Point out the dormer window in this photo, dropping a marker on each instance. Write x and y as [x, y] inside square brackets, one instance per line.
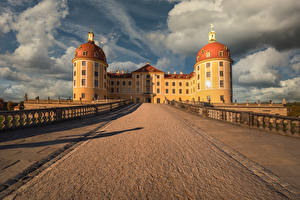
[221, 53]
[207, 54]
[84, 53]
[202, 51]
[198, 58]
[96, 54]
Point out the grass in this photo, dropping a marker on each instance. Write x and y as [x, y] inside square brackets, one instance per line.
[293, 109]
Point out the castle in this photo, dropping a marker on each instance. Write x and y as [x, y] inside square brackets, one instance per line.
[211, 80]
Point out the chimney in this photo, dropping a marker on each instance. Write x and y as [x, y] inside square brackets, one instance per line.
[181, 72]
[168, 72]
[122, 72]
[147, 63]
[174, 72]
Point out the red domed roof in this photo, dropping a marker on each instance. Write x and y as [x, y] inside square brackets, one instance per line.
[213, 50]
[90, 50]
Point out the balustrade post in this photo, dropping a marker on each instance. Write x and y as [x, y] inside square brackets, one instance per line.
[58, 114]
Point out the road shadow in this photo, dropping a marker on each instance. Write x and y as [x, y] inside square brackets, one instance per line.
[100, 134]
[67, 124]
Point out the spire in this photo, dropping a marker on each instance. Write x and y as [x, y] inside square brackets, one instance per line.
[211, 34]
[91, 36]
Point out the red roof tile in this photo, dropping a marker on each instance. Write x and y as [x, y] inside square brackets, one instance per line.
[92, 51]
[148, 68]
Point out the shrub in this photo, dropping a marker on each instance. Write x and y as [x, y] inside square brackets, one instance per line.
[21, 105]
[9, 106]
[1, 104]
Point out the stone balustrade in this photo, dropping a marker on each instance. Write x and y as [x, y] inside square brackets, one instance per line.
[37, 117]
[277, 123]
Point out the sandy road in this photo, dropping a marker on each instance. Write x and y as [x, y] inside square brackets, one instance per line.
[148, 154]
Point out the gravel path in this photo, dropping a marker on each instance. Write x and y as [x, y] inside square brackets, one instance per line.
[148, 154]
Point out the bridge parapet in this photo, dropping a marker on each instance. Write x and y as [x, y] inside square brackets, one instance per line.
[38, 117]
[275, 123]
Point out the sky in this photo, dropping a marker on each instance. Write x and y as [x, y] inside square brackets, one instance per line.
[38, 39]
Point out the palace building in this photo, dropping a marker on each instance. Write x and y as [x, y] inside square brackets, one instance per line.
[210, 81]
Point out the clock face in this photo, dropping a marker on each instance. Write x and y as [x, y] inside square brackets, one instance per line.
[208, 84]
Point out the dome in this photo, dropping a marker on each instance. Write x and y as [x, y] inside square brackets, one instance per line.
[213, 50]
[90, 50]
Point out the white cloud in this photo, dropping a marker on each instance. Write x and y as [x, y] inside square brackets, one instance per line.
[6, 19]
[254, 23]
[261, 69]
[288, 89]
[130, 66]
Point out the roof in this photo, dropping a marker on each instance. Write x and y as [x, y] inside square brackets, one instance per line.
[119, 75]
[179, 76]
[214, 50]
[91, 51]
[148, 68]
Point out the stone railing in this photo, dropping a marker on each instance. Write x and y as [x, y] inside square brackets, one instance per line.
[37, 117]
[277, 123]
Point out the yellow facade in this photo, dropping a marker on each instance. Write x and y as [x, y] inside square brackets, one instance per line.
[211, 81]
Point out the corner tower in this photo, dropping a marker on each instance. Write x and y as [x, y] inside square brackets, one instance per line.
[213, 72]
[89, 71]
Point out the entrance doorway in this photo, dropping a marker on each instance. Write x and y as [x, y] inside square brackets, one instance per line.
[148, 100]
[158, 100]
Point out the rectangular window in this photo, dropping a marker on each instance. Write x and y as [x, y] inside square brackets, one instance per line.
[157, 83]
[74, 96]
[74, 73]
[221, 83]
[221, 53]
[187, 91]
[148, 76]
[137, 83]
[180, 83]
[104, 85]
[129, 83]
[83, 63]
[147, 82]
[104, 76]
[117, 90]
[74, 66]
[85, 53]
[207, 74]
[198, 86]
[173, 91]
[207, 54]
[96, 65]
[118, 82]
[187, 84]
[207, 64]
[157, 76]
[167, 83]
[157, 91]
[96, 83]
[83, 72]
[221, 73]
[112, 90]
[222, 98]
[83, 82]
[137, 76]
[112, 83]
[124, 83]
[96, 73]
[74, 82]
[173, 83]
[167, 91]
[198, 76]
[221, 64]
[208, 98]
[82, 95]
[180, 91]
